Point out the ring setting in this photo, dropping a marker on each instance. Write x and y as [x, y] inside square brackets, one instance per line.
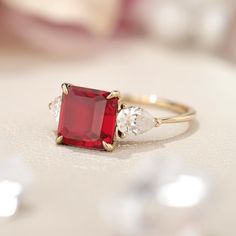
[96, 119]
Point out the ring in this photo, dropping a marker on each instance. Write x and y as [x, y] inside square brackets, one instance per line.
[95, 119]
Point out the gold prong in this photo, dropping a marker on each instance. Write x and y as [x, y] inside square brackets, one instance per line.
[59, 139]
[50, 105]
[65, 87]
[113, 94]
[121, 135]
[122, 106]
[108, 147]
[157, 122]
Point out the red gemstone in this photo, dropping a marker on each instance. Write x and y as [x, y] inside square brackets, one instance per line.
[87, 118]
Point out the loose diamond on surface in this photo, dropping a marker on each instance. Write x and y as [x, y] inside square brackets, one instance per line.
[134, 120]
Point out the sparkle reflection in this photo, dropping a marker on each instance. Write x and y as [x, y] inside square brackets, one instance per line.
[153, 98]
[184, 191]
[9, 193]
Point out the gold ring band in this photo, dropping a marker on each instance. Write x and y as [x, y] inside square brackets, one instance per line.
[185, 113]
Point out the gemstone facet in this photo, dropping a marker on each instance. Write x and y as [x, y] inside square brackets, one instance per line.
[87, 118]
[134, 120]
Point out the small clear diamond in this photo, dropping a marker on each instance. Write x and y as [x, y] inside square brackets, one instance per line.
[134, 120]
[55, 107]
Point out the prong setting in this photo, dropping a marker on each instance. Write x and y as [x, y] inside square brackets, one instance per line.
[50, 105]
[121, 135]
[109, 147]
[65, 87]
[123, 106]
[157, 122]
[113, 94]
[59, 140]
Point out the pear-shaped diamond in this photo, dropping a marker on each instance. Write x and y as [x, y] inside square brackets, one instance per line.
[55, 107]
[134, 120]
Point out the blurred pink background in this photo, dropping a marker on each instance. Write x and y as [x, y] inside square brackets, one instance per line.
[81, 27]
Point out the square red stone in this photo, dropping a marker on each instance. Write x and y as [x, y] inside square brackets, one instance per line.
[87, 118]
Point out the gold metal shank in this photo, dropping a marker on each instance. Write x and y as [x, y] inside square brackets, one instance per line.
[184, 113]
[113, 94]
[65, 87]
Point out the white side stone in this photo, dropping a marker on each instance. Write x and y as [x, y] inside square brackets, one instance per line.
[134, 120]
[55, 107]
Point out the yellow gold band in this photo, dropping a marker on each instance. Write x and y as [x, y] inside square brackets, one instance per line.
[184, 113]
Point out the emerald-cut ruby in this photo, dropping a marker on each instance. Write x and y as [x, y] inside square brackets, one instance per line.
[87, 118]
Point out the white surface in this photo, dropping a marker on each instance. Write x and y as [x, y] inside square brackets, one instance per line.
[70, 183]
